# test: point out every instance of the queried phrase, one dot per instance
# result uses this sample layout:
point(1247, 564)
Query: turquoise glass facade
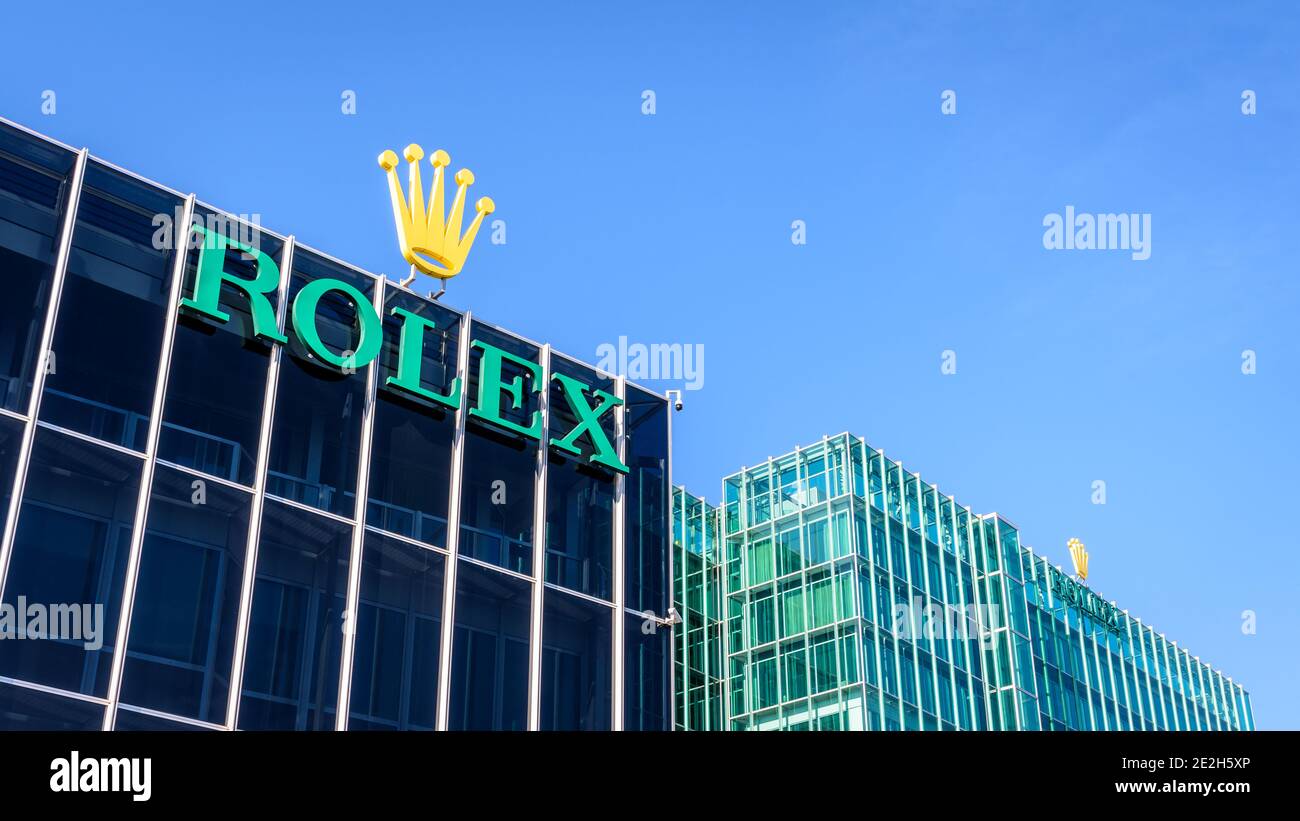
point(834, 589)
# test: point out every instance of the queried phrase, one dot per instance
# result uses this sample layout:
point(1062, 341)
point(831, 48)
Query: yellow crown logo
point(433, 246)
point(1079, 555)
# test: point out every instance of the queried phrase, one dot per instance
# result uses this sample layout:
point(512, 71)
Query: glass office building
point(834, 589)
point(260, 540)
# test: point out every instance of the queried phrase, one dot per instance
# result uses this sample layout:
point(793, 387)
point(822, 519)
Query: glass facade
point(271, 535)
point(209, 527)
point(836, 590)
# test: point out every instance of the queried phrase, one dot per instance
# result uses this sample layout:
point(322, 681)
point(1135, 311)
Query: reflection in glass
point(489, 659)
point(576, 669)
point(295, 635)
point(395, 666)
point(579, 496)
point(25, 709)
point(132, 721)
point(500, 467)
point(33, 192)
point(645, 677)
point(11, 439)
point(318, 407)
point(69, 557)
point(411, 449)
point(187, 597)
point(646, 529)
point(217, 381)
point(108, 335)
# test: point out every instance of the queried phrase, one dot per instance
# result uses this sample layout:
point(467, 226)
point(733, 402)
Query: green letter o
point(304, 323)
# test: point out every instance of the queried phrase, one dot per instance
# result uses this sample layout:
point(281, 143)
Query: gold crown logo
point(1079, 555)
point(433, 246)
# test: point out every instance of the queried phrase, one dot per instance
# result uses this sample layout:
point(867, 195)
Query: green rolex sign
point(494, 387)
point(1074, 594)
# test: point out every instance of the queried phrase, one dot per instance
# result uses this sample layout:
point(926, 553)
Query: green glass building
point(834, 589)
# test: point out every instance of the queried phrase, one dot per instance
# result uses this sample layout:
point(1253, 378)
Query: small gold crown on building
point(432, 245)
point(1079, 555)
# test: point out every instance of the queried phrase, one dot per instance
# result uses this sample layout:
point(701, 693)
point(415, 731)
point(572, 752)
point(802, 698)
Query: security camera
point(676, 396)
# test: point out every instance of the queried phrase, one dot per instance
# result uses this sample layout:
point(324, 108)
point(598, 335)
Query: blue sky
point(924, 234)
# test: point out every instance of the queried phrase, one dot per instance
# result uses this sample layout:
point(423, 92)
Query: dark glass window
point(410, 461)
point(11, 439)
point(395, 664)
point(291, 675)
point(576, 669)
point(187, 597)
point(647, 500)
point(318, 407)
point(108, 335)
point(645, 684)
point(489, 659)
point(131, 721)
point(500, 467)
point(25, 709)
point(579, 495)
point(217, 380)
point(69, 558)
point(33, 193)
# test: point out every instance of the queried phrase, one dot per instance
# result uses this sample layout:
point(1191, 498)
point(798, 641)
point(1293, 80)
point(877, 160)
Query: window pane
point(395, 666)
point(24, 709)
point(108, 335)
point(318, 407)
point(69, 558)
point(646, 529)
point(11, 439)
point(500, 466)
point(410, 462)
point(489, 659)
point(579, 496)
point(129, 720)
point(576, 670)
point(645, 690)
point(291, 676)
point(187, 597)
point(33, 191)
point(217, 381)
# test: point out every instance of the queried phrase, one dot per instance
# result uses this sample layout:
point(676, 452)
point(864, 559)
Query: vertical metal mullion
point(670, 409)
point(259, 494)
point(620, 514)
point(1136, 695)
point(539, 549)
point(453, 526)
point(361, 497)
point(182, 235)
point(875, 588)
point(42, 361)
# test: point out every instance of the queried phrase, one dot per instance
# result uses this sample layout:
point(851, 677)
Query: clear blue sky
point(924, 233)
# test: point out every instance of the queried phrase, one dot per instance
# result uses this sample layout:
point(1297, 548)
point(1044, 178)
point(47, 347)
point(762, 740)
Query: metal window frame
point(255, 514)
point(76, 182)
point(538, 592)
point(136, 550)
point(453, 527)
point(361, 497)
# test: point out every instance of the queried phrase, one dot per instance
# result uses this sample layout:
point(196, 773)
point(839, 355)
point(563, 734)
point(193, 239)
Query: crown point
point(464, 177)
point(414, 153)
point(388, 160)
point(440, 159)
point(485, 205)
